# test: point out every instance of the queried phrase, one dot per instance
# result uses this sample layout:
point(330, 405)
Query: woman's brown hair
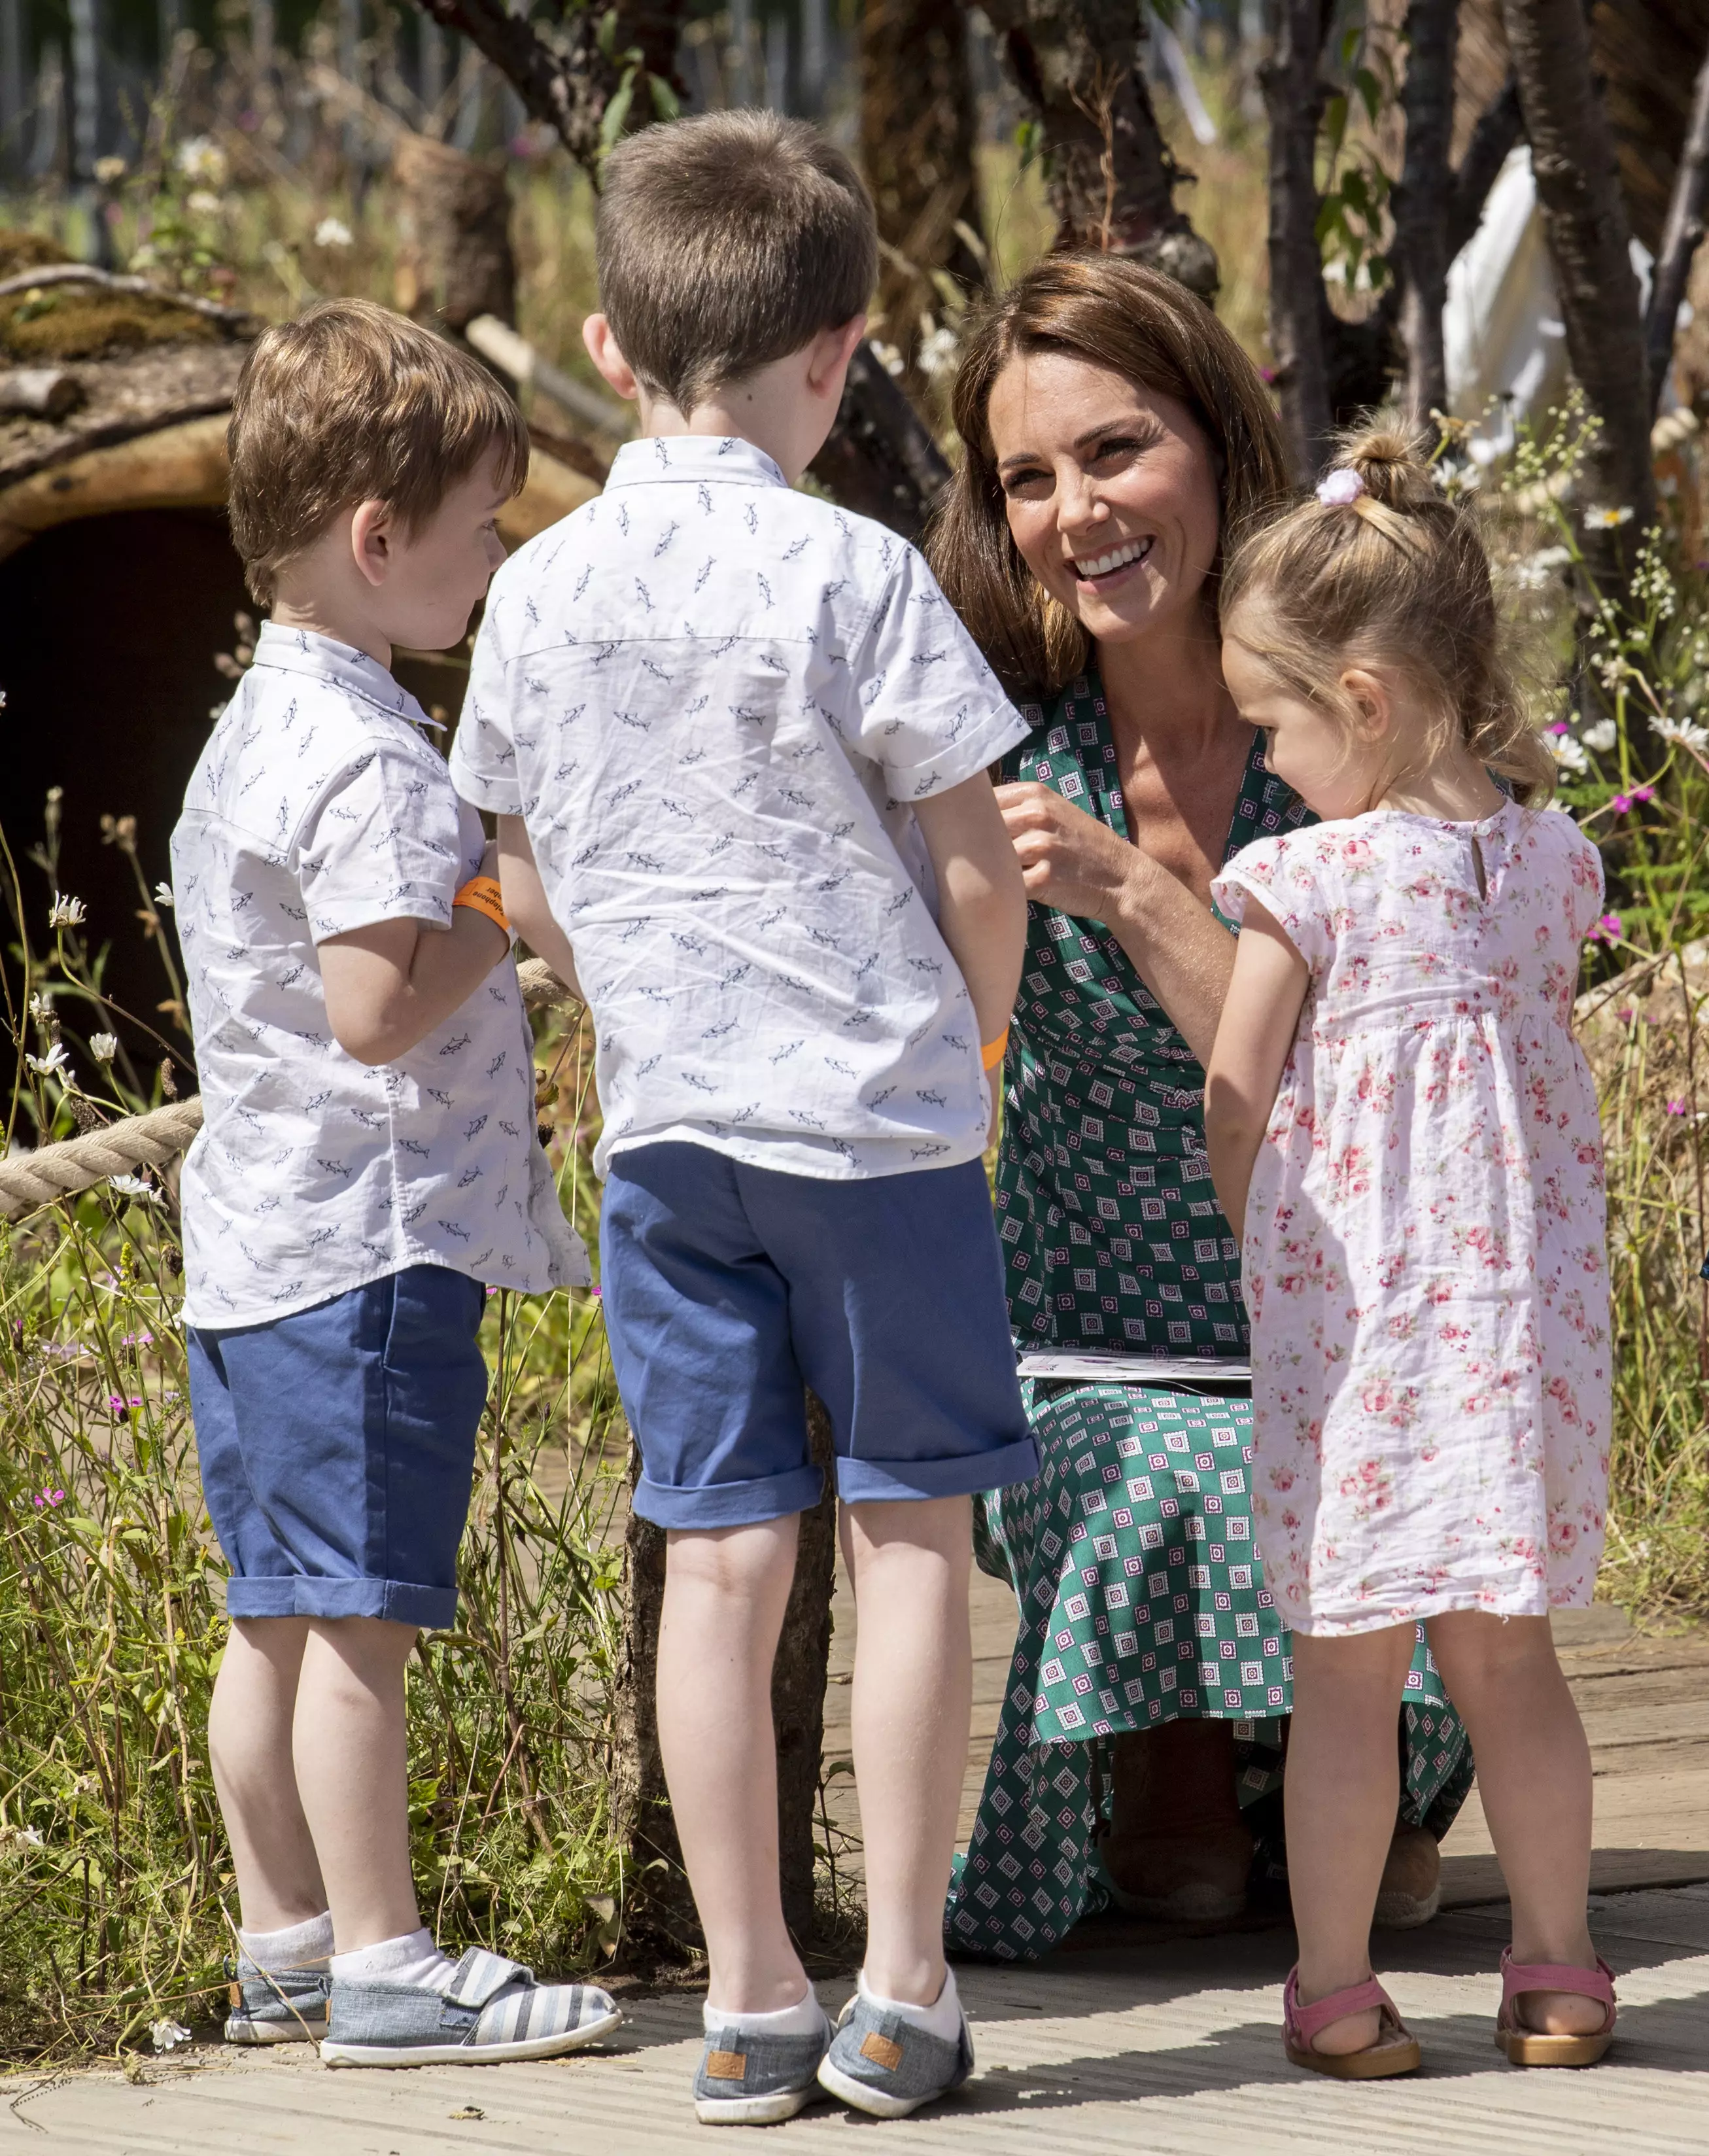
point(1381, 569)
point(1115, 314)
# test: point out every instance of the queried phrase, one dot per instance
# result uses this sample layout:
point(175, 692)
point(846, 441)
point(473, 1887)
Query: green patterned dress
point(1142, 1596)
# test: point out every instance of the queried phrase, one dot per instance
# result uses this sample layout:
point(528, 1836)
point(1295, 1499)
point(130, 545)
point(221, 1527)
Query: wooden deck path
point(1136, 2041)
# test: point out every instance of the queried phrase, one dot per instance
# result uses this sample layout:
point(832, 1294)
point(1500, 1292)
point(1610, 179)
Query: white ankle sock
point(943, 2018)
point(805, 2018)
point(412, 1959)
point(298, 1946)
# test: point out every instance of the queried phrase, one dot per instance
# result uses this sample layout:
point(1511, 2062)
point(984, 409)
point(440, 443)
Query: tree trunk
point(1110, 176)
point(875, 446)
point(1680, 239)
point(881, 460)
point(1585, 217)
point(453, 259)
point(916, 146)
point(1293, 98)
point(1422, 201)
point(660, 1909)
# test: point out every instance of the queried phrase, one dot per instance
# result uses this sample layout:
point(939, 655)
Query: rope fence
point(31, 1180)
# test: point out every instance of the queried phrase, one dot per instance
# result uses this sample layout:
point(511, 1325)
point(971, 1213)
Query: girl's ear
point(1372, 704)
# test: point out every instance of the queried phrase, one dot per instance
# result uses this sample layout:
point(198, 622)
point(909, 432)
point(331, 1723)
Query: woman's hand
point(1069, 859)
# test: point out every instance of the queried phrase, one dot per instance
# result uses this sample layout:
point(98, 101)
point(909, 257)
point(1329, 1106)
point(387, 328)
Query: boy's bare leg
point(1533, 1773)
point(351, 1773)
point(249, 1743)
point(725, 1591)
point(912, 1708)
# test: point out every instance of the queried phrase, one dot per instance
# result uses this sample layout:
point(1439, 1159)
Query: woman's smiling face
point(1111, 492)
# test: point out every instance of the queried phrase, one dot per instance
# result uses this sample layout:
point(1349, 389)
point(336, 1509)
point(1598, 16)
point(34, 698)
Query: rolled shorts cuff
point(398, 1601)
point(729, 1504)
point(875, 1481)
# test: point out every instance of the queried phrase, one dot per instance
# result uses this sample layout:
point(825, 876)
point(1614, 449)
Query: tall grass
point(116, 1899)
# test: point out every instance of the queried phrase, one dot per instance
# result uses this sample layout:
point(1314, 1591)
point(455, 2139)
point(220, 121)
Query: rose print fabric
point(1424, 1257)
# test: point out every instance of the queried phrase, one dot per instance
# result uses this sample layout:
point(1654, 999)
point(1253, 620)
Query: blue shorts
point(728, 1289)
point(337, 1449)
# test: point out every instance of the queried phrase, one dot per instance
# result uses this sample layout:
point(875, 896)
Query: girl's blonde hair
point(1391, 573)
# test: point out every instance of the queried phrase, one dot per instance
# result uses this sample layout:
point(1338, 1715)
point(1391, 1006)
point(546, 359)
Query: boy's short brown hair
point(350, 402)
point(726, 242)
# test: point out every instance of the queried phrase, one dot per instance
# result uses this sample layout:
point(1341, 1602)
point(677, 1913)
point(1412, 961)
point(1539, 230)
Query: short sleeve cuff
point(358, 911)
point(1231, 887)
point(975, 749)
point(500, 795)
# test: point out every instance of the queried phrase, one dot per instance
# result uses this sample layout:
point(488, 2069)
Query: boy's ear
point(835, 350)
point(603, 351)
point(370, 541)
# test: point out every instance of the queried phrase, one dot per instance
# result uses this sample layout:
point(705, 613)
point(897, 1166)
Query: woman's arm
point(525, 906)
point(1259, 1022)
point(1179, 948)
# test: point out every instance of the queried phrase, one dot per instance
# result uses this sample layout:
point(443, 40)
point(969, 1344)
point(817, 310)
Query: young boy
point(368, 1161)
point(744, 739)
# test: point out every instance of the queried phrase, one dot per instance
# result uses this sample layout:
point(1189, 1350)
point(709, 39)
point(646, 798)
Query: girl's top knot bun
point(1393, 465)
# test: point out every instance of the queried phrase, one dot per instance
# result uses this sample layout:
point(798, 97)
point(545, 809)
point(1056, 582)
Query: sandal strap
point(1520, 1976)
point(1305, 2022)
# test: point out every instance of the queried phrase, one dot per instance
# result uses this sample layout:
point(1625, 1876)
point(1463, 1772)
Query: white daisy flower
point(334, 232)
point(67, 912)
point(104, 1046)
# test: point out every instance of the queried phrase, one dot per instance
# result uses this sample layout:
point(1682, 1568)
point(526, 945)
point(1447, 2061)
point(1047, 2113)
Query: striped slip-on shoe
point(278, 2005)
point(494, 2010)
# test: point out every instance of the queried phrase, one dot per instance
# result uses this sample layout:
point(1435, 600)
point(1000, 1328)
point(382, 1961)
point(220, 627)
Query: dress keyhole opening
point(1477, 867)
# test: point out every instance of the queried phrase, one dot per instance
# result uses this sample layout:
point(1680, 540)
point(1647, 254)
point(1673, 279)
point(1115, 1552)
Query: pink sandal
point(1395, 2051)
point(1530, 2048)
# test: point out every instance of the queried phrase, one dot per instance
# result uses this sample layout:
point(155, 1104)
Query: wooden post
point(454, 261)
point(11, 85)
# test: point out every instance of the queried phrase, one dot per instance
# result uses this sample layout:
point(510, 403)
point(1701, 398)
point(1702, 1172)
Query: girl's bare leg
point(1533, 1772)
point(1340, 1796)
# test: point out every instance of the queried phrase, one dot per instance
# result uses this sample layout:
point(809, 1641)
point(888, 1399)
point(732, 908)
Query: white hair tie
point(1342, 489)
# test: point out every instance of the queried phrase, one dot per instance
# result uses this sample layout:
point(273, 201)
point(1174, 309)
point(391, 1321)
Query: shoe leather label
point(881, 2050)
point(726, 2066)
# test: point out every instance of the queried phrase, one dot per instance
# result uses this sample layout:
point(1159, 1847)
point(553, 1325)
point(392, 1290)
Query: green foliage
point(1634, 756)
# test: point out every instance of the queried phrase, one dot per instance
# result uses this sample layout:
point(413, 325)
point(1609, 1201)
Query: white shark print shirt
point(713, 701)
point(318, 807)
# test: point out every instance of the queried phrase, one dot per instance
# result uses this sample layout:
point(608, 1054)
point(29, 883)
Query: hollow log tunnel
point(109, 624)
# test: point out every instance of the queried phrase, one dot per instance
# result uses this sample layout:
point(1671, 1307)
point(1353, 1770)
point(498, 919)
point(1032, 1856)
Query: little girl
point(1398, 1112)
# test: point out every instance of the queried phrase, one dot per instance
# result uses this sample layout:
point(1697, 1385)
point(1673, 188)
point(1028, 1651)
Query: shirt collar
point(692, 457)
point(324, 658)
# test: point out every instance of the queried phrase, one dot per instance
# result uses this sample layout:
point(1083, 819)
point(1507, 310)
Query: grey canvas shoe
point(278, 2005)
point(495, 2011)
point(887, 2066)
point(745, 2079)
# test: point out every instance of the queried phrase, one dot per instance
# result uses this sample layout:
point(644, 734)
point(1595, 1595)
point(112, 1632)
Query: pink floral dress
point(1424, 1256)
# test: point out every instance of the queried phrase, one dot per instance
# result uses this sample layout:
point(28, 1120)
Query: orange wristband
point(993, 1051)
point(483, 895)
